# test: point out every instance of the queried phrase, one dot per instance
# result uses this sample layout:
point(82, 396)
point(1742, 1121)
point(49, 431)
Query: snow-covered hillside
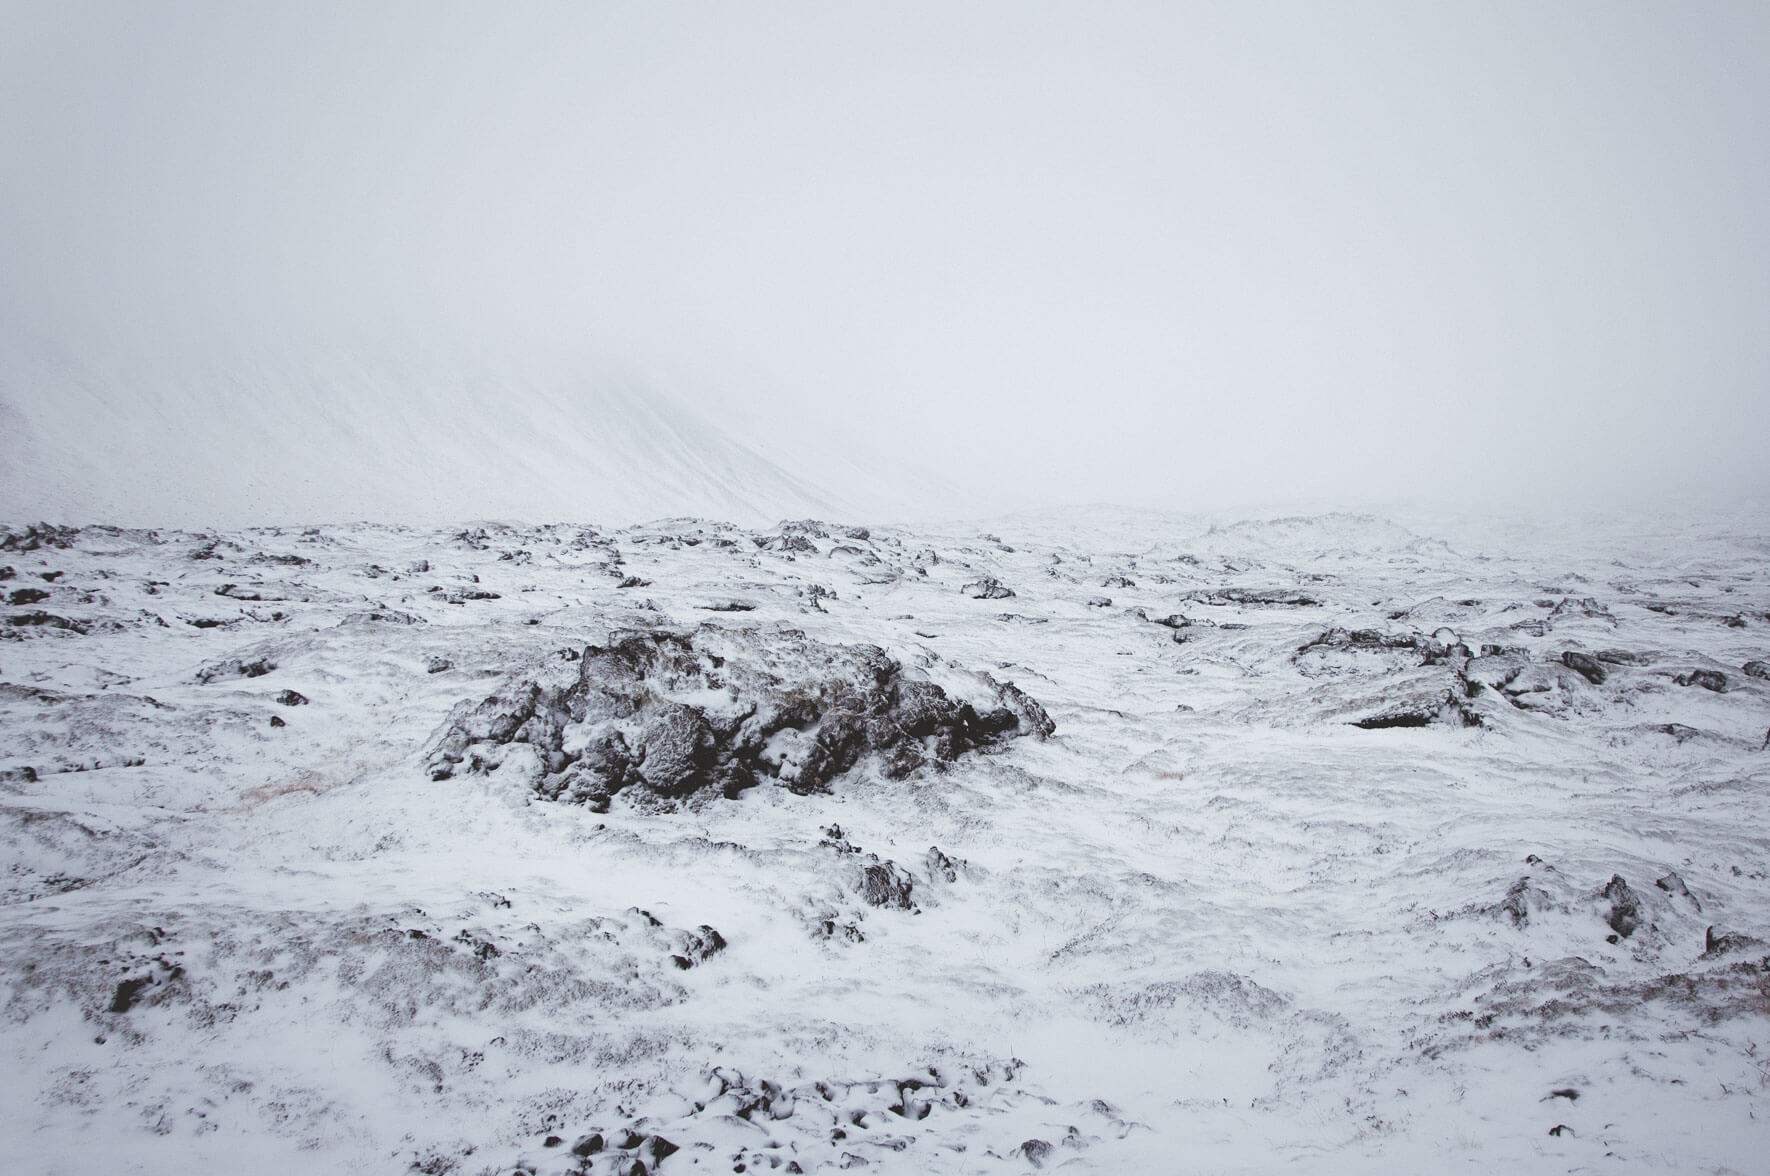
point(422, 435)
point(1347, 847)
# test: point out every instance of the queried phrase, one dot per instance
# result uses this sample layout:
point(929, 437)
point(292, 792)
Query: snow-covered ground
point(1516, 921)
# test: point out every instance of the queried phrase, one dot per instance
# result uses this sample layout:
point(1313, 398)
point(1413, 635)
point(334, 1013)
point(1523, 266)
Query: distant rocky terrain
point(1103, 843)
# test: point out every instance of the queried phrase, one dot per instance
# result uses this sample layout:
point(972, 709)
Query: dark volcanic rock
point(785, 542)
point(1522, 898)
point(1756, 669)
point(237, 667)
point(1286, 597)
point(1372, 641)
point(1584, 606)
point(37, 618)
point(1707, 679)
point(1674, 885)
point(886, 884)
point(988, 588)
point(1625, 907)
point(1716, 946)
point(382, 616)
point(1448, 711)
point(38, 536)
point(1585, 665)
point(675, 715)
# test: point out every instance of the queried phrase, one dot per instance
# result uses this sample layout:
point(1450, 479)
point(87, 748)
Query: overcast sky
point(1169, 254)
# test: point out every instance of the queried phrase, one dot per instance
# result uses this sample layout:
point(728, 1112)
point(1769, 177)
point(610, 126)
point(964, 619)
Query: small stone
point(1587, 666)
point(1674, 885)
point(1707, 679)
point(885, 885)
point(988, 588)
point(656, 1148)
point(277, 721)
point(1625, 907)
point(1715, 946)
point(291, 698)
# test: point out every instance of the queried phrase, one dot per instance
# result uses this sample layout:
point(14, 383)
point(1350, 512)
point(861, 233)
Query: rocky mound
point(677, 714)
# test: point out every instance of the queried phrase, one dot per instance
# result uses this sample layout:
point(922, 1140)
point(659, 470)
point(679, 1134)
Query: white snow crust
point(1209, 926)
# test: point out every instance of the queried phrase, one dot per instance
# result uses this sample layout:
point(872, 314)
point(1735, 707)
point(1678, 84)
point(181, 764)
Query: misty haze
point(965, 588)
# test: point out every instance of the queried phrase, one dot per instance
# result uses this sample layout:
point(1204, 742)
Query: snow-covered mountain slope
point(416, 437)
point(1352, 849)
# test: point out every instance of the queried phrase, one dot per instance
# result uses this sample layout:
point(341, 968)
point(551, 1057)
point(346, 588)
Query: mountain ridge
point(283, 437)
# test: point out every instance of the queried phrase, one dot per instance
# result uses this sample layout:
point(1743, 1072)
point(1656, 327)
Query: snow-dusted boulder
point(675, 714)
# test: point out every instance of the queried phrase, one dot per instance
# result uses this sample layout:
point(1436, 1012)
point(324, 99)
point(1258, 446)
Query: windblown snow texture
point(1098, 842)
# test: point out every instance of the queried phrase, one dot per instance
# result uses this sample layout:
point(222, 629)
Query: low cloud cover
point(1168, 255)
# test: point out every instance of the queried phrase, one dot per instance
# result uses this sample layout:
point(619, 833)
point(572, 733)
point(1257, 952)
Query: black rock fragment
point(1584, 664)
point(988, 588)
point(39, 619)
point(236, 668)
point(1716, 946)
point(1707, 679)
point(1673, 885)
point(1286, 597)
point(383, 616)
point(1521, 898)
point(37, 536)
point(886, 885)
point(1625, 907)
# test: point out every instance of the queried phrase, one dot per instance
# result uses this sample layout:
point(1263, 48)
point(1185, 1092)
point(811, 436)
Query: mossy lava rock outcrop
point(674, 715)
